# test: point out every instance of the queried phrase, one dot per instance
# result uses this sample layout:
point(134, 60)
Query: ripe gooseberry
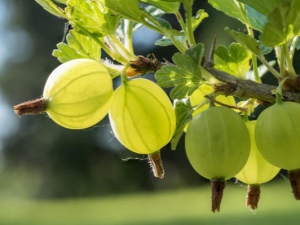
point(142, 116)
point(277, 137)
point(77, 95)
point(256, 171)
point(143, 119)
point(217, 144)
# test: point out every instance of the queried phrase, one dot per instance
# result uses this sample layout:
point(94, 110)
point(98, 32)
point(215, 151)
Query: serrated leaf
point(167, 7)
point(185, 76)
point(52, 8)
point(61, 1)
point(163, 23)
point(196, 52)
point(93, 16)
point(183, 111)
point(153, 11)
point(79, 46)
point(128, 9)
point(264, 49)
point(197, 19)
point(245, 40)
point(230, 8)
point(256, 19)
point(164, 26)
point(279, 29)
point(233, 9)
point(262, 6)
point(165, 41)
point(236, 61)
point(294, 16)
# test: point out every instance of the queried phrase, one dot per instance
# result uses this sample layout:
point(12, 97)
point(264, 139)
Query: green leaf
point(79, 46)
point(183, 1)
point(91, 15)
point(61, 1)
point(185, 76)
point(52, 8)
point(245, 40)
point(230, 8)
point(233, 9)
point(163, 23)
point(165, 41)
point(128, 9)
point(196, 53)
point(279, 29)
point(256, 19)
point(264, 50)
point(262, 6)
point(168, 7)
point(294, 16)
point(196, 20)
point(153, 11)
point(183, 111)
point(236, 61)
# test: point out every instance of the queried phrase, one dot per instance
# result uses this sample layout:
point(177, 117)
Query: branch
point(238, 87)
point(247, 88)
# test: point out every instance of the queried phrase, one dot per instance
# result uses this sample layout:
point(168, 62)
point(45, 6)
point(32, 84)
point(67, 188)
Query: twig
point(247, 88)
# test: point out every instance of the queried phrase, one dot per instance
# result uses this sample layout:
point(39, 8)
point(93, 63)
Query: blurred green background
point(52, 175)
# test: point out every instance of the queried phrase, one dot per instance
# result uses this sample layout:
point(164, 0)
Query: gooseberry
point(217, 144)
point(198, 99)
point(277, 137)
point(142, 116)
point(77, 95)
point(256, 171)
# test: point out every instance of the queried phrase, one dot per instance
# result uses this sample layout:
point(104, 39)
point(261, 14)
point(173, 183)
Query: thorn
point(212, 50)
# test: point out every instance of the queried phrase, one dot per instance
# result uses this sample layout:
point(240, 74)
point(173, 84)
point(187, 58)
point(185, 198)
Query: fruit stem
point(212, 102)
point(217, 187)
point(253, 195)
point(156, 165)
point(33, 107)
point(278, 91)
point(294, 177)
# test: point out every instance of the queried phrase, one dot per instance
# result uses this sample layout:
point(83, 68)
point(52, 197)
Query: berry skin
point(277, 135)
point(78, 93)
point(142, 116)
point(217, 145)
point(256, 171)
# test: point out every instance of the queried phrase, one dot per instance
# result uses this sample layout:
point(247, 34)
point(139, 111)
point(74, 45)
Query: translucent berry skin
point(257, 170)
point(277, 135)
point(217, 143)
point(142, 116)
point(78, 93)
point(198, 97)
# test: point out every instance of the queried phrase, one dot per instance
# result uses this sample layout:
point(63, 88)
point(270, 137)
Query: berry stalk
point(33, 107)
point(294, 177)
point(156, 164)
point(217, 188)
point(253, 196)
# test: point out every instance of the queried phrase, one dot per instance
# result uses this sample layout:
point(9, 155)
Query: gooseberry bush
point(211, 99)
